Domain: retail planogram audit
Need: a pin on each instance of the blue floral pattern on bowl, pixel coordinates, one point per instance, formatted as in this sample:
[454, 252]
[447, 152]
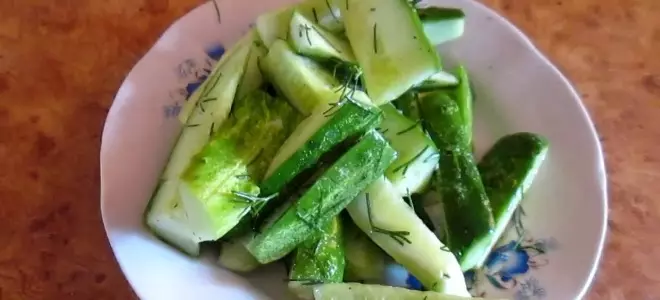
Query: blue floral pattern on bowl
[510, 266]
[192, 73]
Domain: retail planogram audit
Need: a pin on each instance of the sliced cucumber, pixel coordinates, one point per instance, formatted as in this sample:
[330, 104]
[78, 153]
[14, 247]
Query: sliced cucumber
[442, 24]
[323, 12]
[166, 218]
[464, 100]
[438, 80]
[219, 83]
[320, 259]
[408, 104]
[469, 221]
[252, 78]
[311, 40]
[508, 170]
[390, 46]
[327, 196]
[417, 158]
[235, 257]
[274, 25]
[313, 137]
[303, 81]
[220, 185]
[357, 291]
[365, 262]
[383, 215]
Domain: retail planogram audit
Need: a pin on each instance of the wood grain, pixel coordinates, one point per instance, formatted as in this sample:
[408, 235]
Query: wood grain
[61, 62]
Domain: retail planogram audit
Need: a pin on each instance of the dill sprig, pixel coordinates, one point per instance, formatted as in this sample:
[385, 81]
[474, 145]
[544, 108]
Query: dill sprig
[413, 126]
[346, 89]
[316, 16]
[305, 28]
[407, 164]
[400, 237]
[217, 11]
[347, 5]
[376, 38]
[305, 281]
[191, 125]
[382, 131]
[332, 12]
[211, 129]
[251, 201]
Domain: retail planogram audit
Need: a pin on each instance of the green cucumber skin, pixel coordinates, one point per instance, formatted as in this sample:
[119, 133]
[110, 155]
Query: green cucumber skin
[507, 171]
[349, 120]
[464, 100]
[338, 186]
[442, 24]
[408, 104]
[469, 218]
[321, 258]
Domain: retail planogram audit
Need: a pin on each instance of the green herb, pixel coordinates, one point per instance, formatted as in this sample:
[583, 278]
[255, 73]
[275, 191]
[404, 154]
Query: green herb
[191, 125]
[409, 199]
[413, 126]
[211, 129]
[306, 29]
[316, 16]
[375, 38]
[398, 236]
[406, 165]
[217, 10]
[332, 12]
[347, 87]
[346, 5]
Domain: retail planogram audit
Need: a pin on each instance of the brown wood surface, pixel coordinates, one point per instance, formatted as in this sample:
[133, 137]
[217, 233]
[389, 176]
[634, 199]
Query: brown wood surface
[61, 61]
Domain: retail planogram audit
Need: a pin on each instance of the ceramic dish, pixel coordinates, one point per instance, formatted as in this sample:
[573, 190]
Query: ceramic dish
[551, 250]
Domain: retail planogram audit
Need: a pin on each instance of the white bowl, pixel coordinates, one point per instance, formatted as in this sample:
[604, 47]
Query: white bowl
[517, 89]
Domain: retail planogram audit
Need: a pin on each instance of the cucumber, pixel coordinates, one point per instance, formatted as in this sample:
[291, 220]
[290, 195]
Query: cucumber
[365, 262]
[390, 46]
[442, 24]
[326, 13]
[508, 170]
[469, 225]
[438, 80]
[384, 216]
[303, 81]
[313, 137]
[168, 221]
[220, 185]
[408, 104]
[219, 86]
[252, 78]
[327, 196]
[357, 291]
[308, 39]
[274, 25]
[235, 257]
[320, 259]
[417, 158]
[463, 97]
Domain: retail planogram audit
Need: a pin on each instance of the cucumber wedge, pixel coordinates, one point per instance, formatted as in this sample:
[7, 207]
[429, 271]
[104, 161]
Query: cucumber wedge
[235, 257]
[442, 24]
[365, 262]
[311, 40]
[320, 259]
[252, 78]
[464, 100]
[326, 13]
[417, 158]
[390, 46]
[274, 25]
[408, 104]
[166, 218]
[469, 225]
[313, 137]
[303, 81]
[385, 217]
[328, 195]
[438, 80]
[220, 83]
[220, 185]
[357, 291]
[507, 171]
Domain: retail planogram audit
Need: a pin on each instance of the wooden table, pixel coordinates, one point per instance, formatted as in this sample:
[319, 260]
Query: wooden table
[62, 61]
